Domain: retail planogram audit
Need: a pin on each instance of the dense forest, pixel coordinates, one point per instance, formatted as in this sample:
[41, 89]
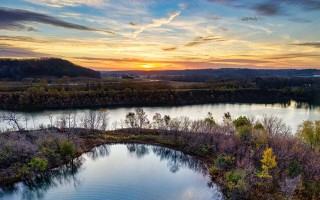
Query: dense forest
[18, 69]
[53, 98]
[66, 93]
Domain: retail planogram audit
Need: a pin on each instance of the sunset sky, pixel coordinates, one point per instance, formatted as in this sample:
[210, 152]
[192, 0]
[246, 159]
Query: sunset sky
[164, 34]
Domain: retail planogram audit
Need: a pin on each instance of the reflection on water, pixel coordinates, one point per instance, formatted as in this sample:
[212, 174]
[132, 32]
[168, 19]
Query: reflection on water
[295, 104]
[99, 152]
[131, 171]
[37, 188]
[177, 160]
[291, 112]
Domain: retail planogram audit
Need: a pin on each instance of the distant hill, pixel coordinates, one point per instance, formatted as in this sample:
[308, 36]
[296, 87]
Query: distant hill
[18, 69]
[216, 74]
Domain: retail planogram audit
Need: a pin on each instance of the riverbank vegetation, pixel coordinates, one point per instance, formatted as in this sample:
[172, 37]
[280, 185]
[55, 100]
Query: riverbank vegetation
[249, 158]
[57, 83]
[69, 92]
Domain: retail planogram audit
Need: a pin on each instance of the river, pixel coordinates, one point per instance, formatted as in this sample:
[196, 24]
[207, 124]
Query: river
[292, 113]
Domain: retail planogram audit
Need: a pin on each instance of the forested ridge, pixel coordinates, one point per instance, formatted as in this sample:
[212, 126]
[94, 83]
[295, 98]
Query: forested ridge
[18, 69]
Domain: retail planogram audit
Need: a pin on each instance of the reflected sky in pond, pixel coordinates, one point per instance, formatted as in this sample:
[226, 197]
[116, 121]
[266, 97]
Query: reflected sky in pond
[131, 171]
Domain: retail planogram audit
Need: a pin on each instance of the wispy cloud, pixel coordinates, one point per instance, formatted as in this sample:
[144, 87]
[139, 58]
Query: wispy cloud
[156, 23]
[7, 50]
[133, 23]
[271, 7]
[15, 19]
[170, 48]
[308, 44]
[261, 28]
[64, 3]
[215, 18]
[246, 19]
[300, 20]
[206, 39]
[293, 56]
[20, 39]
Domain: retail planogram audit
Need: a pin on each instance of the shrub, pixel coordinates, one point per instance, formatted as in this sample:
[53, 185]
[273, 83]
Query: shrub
[309, 131]
[24, 171]
[259, 138]
[51, 155]
[259, 126]
[66, 149]
[223, 162]
[209, 120]
[241, 121]
[38, 164]
[212, 171]
[244, 133]
[236, 179]
[204, 149]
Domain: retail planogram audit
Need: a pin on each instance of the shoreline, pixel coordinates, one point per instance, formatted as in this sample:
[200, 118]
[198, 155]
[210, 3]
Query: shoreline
[91, 142]
[24, 101]
[222, 151]
[152, 105]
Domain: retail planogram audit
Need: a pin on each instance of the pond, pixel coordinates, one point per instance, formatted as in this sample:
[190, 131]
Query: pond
[124, 172]
[292, 113]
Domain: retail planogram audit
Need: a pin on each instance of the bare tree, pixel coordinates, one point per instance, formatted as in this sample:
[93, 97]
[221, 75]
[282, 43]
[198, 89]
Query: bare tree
[62, 121]
[185, 123]
[114, 125]
[96, 120]
[130, 120]
[50, 116]
[32, 117]
[196, 125]
[167, 120]
[275, 126]
[175, 125]
[158, 122]
[74, 117]
[69, 118]
[141, 118]
[12, 118]
[122, 123]
[103, 117]
[26, 117]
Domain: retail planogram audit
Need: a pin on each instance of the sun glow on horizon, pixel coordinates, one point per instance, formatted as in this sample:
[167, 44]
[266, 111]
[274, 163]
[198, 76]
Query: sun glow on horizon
[147, 66]
[163, 35]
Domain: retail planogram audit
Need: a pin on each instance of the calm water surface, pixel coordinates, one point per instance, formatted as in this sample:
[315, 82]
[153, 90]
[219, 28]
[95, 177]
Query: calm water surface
[124, 172]
[291, 113]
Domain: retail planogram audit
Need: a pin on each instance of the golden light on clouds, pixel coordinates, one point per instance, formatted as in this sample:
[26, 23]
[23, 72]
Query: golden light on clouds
[153, 35]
